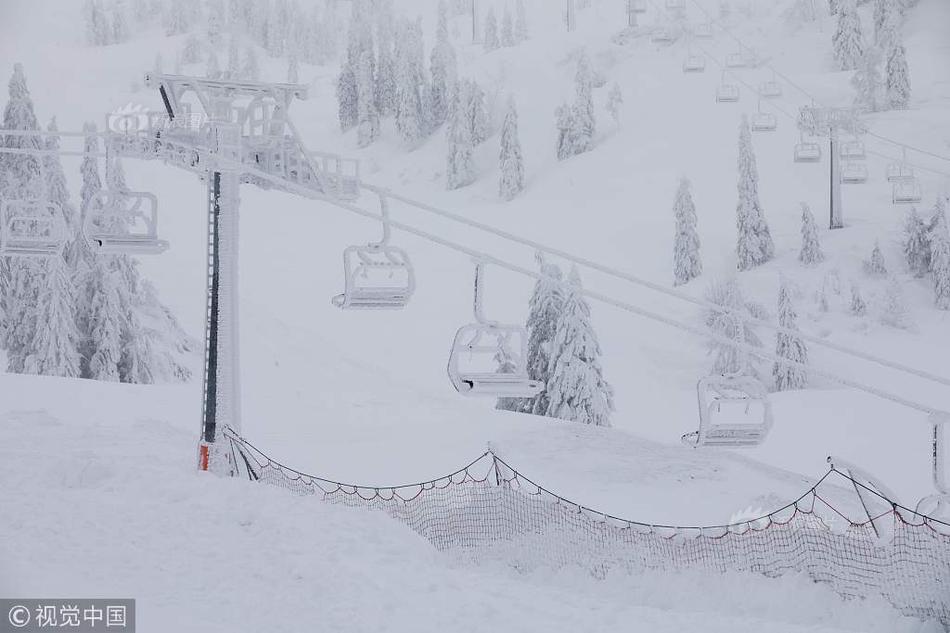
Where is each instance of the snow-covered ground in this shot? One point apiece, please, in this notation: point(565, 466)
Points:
point(99, 495)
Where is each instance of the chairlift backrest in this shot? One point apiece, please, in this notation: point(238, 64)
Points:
point(727, 92)
point(853, 150)
point(807, 152)
point(770, 89)
point(694, 64)
point(764, 122)
point(124, 222)
point(854, 173)
point(906, 191)
point(734, 410)
point(31, 228)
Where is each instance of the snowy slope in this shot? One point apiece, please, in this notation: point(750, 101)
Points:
point(363, 397)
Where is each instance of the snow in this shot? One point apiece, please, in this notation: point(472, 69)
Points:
point(101, 476)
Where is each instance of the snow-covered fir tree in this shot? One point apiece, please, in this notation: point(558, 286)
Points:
point(754, 245)
point(732, 323)
point(687, 264)
point(120, 23)
point(544, 310)
point(810, 252)
point(511, 161)
point(368, 129)
point(583, 123)
point(98, 29)
point(54, 349)
point(105, 322)
point(788, 347)
point(615, 102)
point(564, 122)
point(858, 306)
point(490, 39)
point(916, 244)
point(874, 265)
point(507, 30)
point(460, 166)
point(576, 388)
point(886, 22)
point(385, 65)
point(410, 86)
point(894, 311)
point(214, 28)
point(443, 68)
point(347, 90)
point(898, 79)
point(868, 82)
point(940, 262)
point(191, 51)
point(293, 73)
point(848, 41)
point(521, 22)
point(251, 71)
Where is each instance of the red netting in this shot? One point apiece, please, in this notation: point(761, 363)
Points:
point(489, 510)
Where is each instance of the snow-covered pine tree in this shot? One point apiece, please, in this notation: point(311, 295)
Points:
point(105, 323)
point(916, 244)
point(410, 118)
point(490, 36)
point(521, 22)
point(940, 262)
point(120, 23)
point(507, 30)
point(894, 312)
point(385, 64)
point(56, 186)
point(293, 72)
point(347, 90)
point(847, 40)
point(460, 167)
point(583, 123)
point(754, 245)
point(898, 79)
point(687, 264)
point(443, 68)
point(731, 323)
point(368, 129)
point(215, 27)
point(54, 348)
point(564, 121)
point(858, 306)
point(788, 346)
point(511, 161)
point(20, 277)
point(875, 264)
point(543, 313)
point(98, 29)
point(252, 68)
point(576, 389)
point(868, 82)
point(886, 22)
point(811, 252)
point(615, 102)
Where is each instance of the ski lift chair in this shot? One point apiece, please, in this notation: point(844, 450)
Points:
point(900, 170)
point(734, 410)
point(854, 173)
point(737, 60)
point(662, 35)
point(124, 222)
point(480, 347)
point(638, 6)
point(770, 89)
point(938, 505)
point(852, 150)
point(694, 64)
point(377, 276)
point(727, 92)
point(31, 228)
point(906, 191)
point(703, 30)
point(676, 5)
point(763, 121)
point(807, 151)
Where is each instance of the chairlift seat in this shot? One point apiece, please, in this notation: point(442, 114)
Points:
point(764, 122)
point(734, 411)
point(377, 277)
point(31, 228)
point(472, 360)
point(899, 171)
point(770, 89)
point(854, 173)
point(807, 152)
point(694, 64)
point(676, 5)
point(852, 150)
point(727, 93)
point(737, 60)
point(124, 222)
point(638, 6)
point(662, 35)
point(703, 30)
point(906, 192)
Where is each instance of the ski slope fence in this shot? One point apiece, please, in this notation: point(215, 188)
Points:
point(489, 511)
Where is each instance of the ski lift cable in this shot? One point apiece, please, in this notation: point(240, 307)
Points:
point(597, 296)
point(587, 263)
point(809, 95)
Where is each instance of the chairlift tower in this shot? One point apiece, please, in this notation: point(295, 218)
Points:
point(830, 122)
